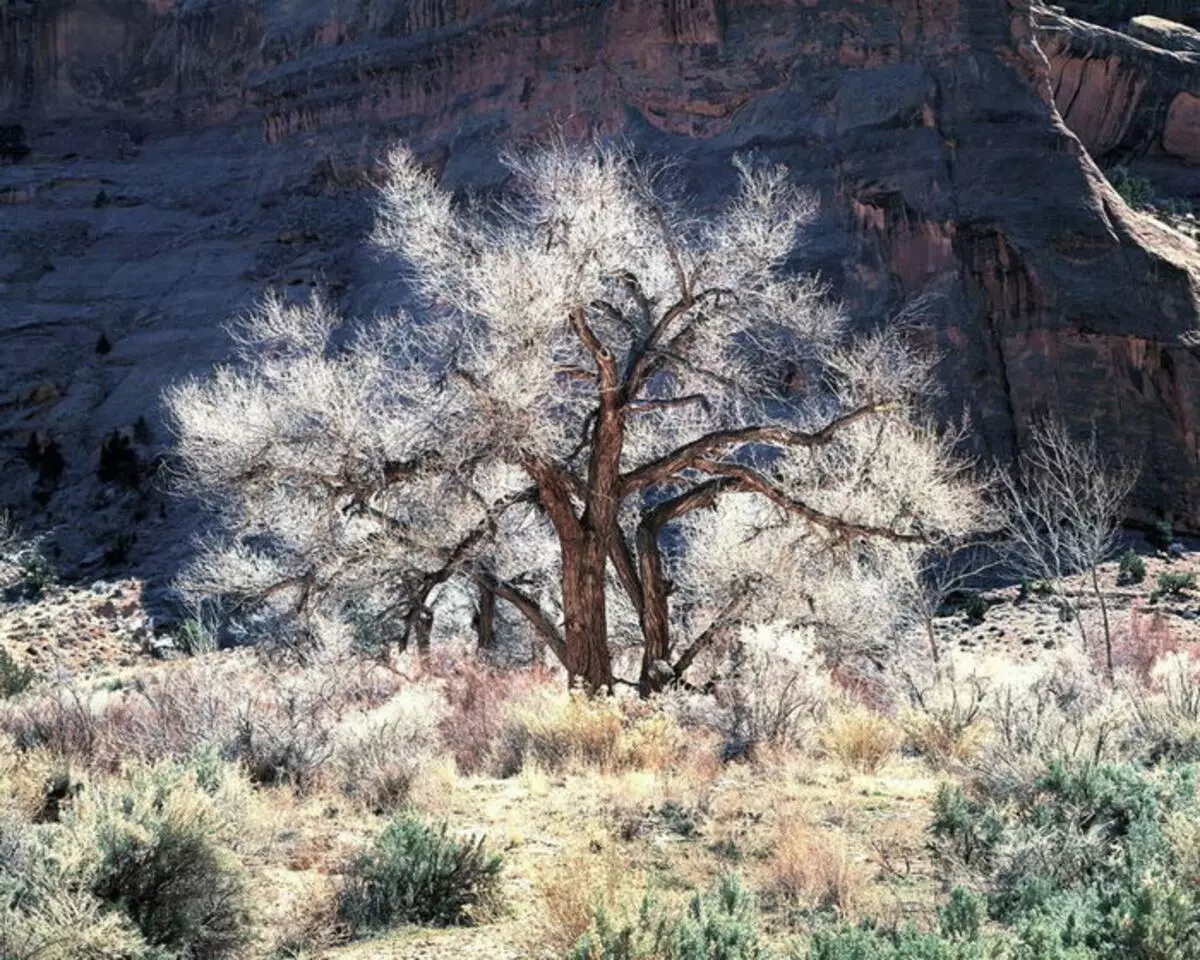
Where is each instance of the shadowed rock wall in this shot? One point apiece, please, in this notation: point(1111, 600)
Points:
point(187, 154)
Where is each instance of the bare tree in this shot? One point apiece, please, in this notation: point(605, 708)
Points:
point(931, 576)
point(1062, 508)
point(635, 427)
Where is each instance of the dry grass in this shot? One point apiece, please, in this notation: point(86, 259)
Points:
point(816, 870)
point(944, 744)
point(30, 781)
point(310, 923)
point(861, 740)
point(587, 768)
point(575, 732)
point(571, 893)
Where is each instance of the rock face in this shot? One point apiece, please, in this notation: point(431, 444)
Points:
point(1165, 34)
point(1113, 13)
point(185, 154)
point(1121, 94)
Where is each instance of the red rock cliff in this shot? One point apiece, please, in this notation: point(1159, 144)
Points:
point(929, 126)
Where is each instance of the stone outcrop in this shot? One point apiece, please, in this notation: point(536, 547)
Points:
point(1123, 95)
point(185, 154)
point(1116, 13)
point(1164, 34)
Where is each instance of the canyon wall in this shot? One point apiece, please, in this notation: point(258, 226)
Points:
point(183, 155)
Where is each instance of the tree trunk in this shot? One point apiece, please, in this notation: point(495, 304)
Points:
point(655, 622)
point(485, 619)
point(586, 622)
point(932, 635)
point(1108, 650)
point(420, 626)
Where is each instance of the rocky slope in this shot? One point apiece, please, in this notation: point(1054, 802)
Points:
point(172, 158)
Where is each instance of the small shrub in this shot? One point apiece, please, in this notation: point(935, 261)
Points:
point(769, 699)
point(678, 819)
point(654, 740)
point(378, 760)
point(1083, 855)
point(963, 917)
point(965, 831)
point(1146, 641)
point(311, 924)
point(14, 678)
point(28, 779)
point(1172, 584)
point(480, 701)
point(288, 739)
point(1131, 568)
point(119, 462)
point(947, 724)
point(37, 575)
point(1161, 534)
point(417, 875)
point(570, 897)
point(719, 925)
point(860, 739)
point(160, 850)
point(1069, 714)
point(1134, 190)
point(975, 608)
point(863, 943)
point(53, 920)
point(1167, 721)
point(195, 637)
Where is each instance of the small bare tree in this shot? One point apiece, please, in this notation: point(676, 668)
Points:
point(635, 427)
point(931, 576)
point(1062, 508)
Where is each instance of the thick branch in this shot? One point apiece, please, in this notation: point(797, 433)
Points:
point(554, 492)
point(751, 481)
point(687, 456)
point(529, 609)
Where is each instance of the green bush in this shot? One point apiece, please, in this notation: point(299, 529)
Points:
point(968, 832)
point(14, 678)
point(963, 917)
point(1079, 862)
point(1134, 190)
point(863, 943)
point(160, 853)
point(719, 925)
point(1161, 534)
point(136, 869)
point(417, 875)
point(1131, 568)
point(1173, 584)
point(195, 637)
point(37, 574)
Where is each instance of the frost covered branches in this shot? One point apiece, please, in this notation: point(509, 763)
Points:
point(634, 427)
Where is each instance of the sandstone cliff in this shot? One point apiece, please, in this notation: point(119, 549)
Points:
point(1123, 95)
point(184, 154)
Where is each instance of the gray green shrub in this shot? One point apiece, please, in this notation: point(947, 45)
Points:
point(414, 874)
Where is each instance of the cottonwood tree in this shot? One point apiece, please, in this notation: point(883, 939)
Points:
point(637, 427)
point(1062, 514)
